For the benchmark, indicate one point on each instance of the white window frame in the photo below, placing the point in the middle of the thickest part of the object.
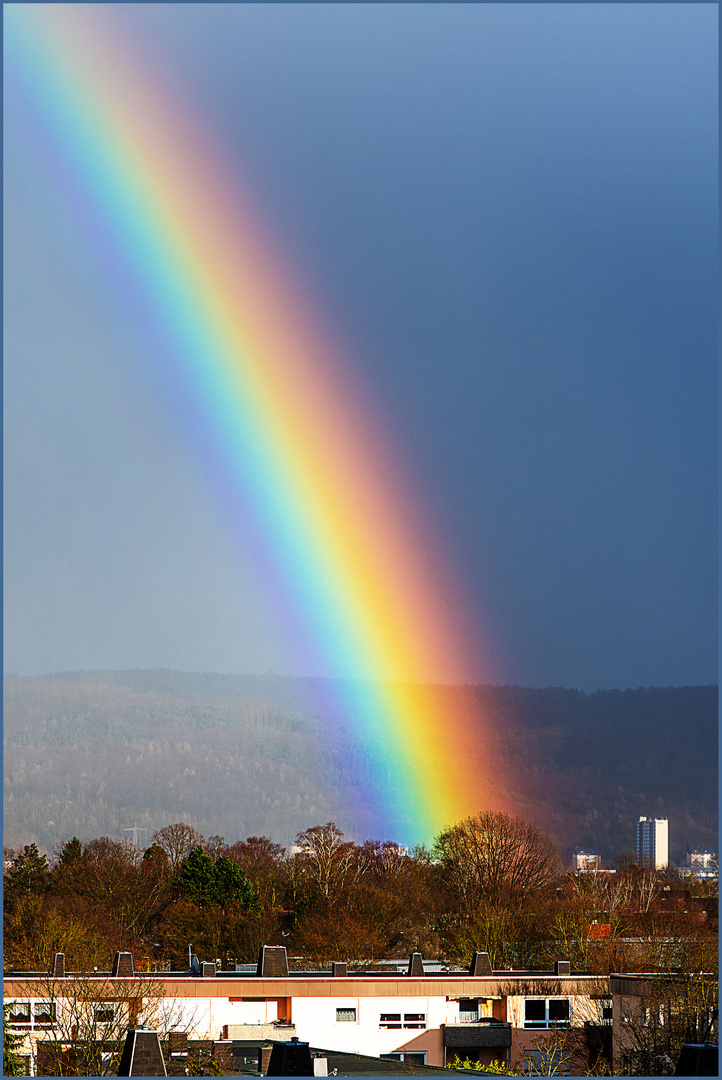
(104, 1007)
(650, 1017)
(407, 1056)
(34, 1005)
(21, 1025)
(347, 1019)
(469, 1016)
(48, 1007)
(390, 1020)
(546, 1024)
(397, 1020)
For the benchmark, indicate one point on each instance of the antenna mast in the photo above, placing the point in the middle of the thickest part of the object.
(135, 829)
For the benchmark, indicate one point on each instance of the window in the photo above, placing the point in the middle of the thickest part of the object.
(411, 1020)
(20, 1014)
(44, 1014)
(346, 1015)
(468, 1010)
(546, 1012)
(559, 1011)
(104, 1014)
(547, 1063)
(652, 1017)
(607, 1011)
(415, 1058)
(32, 1014)
(390, 1020)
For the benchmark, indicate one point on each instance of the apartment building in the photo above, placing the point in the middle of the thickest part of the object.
(653, 842)
(585, 860)
(701, 863)
(416, 1016)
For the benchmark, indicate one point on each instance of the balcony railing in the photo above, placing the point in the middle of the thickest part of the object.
(487, 1031)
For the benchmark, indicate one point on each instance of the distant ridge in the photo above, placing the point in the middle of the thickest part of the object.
(91, 752)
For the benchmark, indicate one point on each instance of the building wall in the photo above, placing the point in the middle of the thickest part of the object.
(661, 842)
(316, 1022)
(582, 1008)
(203, 1007)
(586, 860)
(699, 857)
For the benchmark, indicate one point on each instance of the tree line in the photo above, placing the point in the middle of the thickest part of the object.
(492, 883)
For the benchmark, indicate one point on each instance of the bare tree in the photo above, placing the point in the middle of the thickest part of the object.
(667, 1011)
(386, 859)
(82, 1020)
(330, 862)
(563, 1053)
(215, 846)
(264, 863)
(255, 851)
(552, 1054)
(496, 858)
(178, 840)
(123, 852)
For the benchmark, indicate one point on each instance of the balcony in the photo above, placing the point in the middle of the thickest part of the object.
(485, 1031)
(253, 1032)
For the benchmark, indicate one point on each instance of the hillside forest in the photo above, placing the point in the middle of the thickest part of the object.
(95, 753)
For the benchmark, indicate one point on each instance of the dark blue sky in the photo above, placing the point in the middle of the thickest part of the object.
(508, 215)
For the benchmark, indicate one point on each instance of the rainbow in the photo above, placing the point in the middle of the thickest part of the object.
(287, 438)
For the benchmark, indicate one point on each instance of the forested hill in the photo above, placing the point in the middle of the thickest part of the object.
(94, 752)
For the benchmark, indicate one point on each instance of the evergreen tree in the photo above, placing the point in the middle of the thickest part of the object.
(156, 854)
(71, 853)
(231, 883)
(196, 878)
(12, 1065)
(204, 882)
(29, 873)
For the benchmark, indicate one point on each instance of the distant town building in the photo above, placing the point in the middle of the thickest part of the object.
(653, 842)
(700, 857)
(584, 859)
(701, 862)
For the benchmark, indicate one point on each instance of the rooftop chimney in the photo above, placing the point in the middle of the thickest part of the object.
(416, 966)
(142, 1054)
(123, 966)
(58, 971)
(480, 964)
(272, 961)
